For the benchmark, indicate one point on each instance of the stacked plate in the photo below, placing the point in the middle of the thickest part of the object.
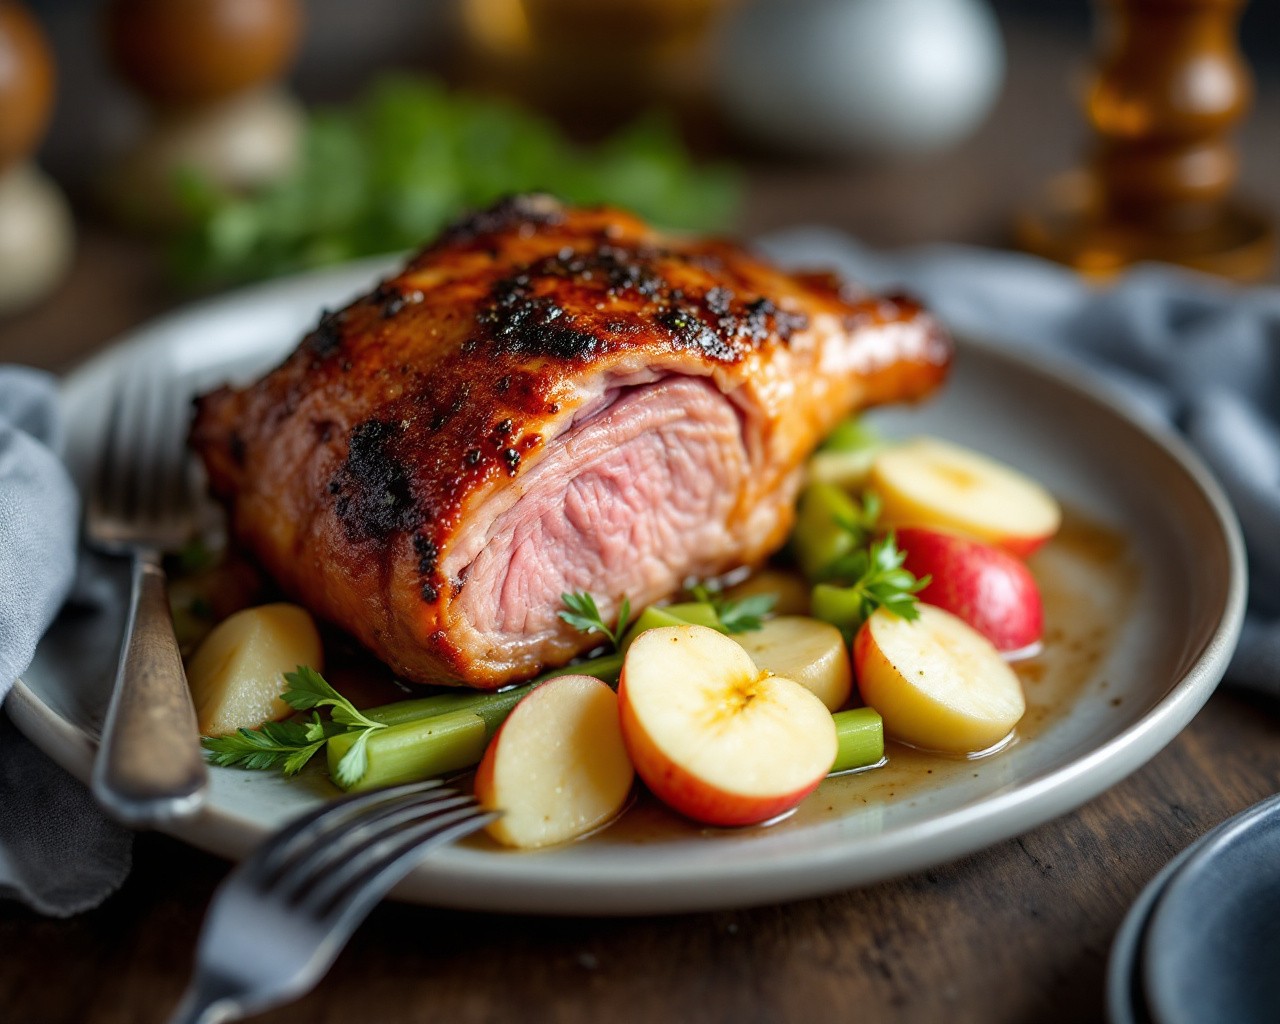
(1202, 942)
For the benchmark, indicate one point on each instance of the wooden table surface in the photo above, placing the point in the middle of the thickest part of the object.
(1017, 933)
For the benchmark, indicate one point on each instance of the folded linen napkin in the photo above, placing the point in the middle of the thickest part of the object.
(1200, 354)
(58, 853)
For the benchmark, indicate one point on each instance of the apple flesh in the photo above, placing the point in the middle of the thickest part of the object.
(988, 588)
(712, 735)
(237, 673)
(811, 652)
(937, 682)
(935, 484)
(557, 766)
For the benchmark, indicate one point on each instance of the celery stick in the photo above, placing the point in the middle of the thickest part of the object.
(425, 707)
(860, 739)
(851, 435)
(416, 750)
(818, 538)
(695, 613)
(605, 668)
(487, 705)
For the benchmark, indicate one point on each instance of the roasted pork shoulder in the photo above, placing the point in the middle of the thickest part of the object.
(546, 400)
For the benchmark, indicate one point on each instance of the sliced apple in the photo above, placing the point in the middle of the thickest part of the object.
(712, 735)
(557, 767)
(935, 484)
(237, 673)
(811, 652)
(936, 681)
(991, 590)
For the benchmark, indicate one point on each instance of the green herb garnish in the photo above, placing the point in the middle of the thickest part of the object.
(583, 615)
(740, 615)
(869, 578)
(287, 746)
(308, 689)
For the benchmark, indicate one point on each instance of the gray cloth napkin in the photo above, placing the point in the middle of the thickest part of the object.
(58, 853)
(1202, 355)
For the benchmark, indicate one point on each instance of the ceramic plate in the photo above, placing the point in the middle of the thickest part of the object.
(1167, 598)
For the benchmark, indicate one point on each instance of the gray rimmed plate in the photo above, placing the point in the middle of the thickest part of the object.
(1168, 649)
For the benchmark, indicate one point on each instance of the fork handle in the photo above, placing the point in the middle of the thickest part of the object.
(150, 768)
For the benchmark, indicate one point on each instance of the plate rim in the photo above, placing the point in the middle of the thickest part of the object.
(938, 839)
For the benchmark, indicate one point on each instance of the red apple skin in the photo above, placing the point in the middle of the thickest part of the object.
(985, 586)
(687, 794)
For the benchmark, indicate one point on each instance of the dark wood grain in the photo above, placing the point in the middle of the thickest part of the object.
(1017, 933)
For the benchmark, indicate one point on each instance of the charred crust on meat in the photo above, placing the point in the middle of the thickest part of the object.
(374, 493)
(523, 323)
(510, 213)
(430, 593)
(511, 459)
(688, 330)
(428, 553)
(326, 339)
(389, 299)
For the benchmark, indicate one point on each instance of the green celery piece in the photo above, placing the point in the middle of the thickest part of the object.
(843, 607)
(605, 668)
(850, 435)
(818, 538)
(859, 738)
(415, 750)
(696, 613)
(489, 706)
(688, 613)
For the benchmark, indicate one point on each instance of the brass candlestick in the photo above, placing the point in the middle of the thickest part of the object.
(1169, 86)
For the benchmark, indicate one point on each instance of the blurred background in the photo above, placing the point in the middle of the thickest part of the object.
(152, 150)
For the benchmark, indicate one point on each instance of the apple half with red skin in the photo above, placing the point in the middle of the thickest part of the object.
(713, 736)
(936, 682)
(989, 589)
(936, 484)
(556, 767)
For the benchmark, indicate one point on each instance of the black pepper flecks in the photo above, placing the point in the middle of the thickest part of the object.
(511, 458)
(375, 498)
(689, 330)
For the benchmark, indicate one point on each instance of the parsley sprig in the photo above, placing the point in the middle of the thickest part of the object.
(737, 615)
(877, 579)
(288, 746)
(308, 689)
(583, 615)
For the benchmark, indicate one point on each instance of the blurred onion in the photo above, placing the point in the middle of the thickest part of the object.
(870, 77)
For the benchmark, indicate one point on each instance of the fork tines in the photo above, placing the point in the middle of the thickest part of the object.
(324, 860)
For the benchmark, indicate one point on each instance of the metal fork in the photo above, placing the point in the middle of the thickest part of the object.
(281, 918)
(149, 767)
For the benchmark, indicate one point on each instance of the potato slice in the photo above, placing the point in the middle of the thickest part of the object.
(811, 652)
(237, 674)
(937, 682)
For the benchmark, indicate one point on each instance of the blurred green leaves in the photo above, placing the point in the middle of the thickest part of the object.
(390, 170)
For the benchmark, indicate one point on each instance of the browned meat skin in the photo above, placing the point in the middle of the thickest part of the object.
(356, 470)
